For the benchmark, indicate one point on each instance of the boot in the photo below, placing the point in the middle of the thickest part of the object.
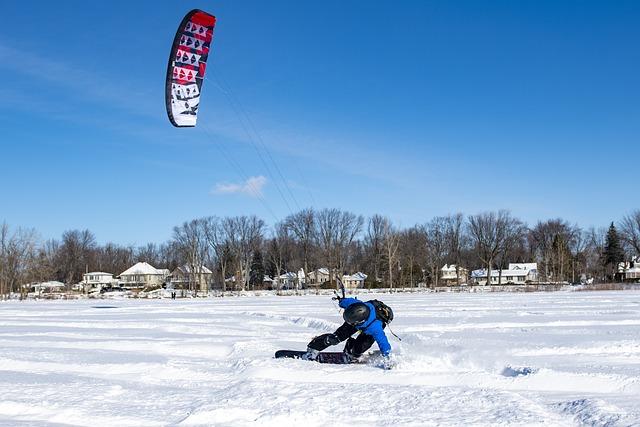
(311, 354)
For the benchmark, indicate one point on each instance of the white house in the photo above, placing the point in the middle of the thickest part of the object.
(142, 275)
(47, 287)
(630, 270)
(449, 277)
(287, 280)
(354, 281)
(97, 280)
(516, 274)
(182, 277)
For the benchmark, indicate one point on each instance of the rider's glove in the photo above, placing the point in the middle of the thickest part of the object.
(331, 339)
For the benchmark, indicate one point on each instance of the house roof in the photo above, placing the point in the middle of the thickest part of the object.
(523, 266)
(141, 268)
(50, 284)
(187, 269)
(288, 275)
(451, 267)
(98, 273)
(357, 276)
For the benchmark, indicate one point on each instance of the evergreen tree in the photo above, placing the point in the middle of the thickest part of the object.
(257, 271)
(613, 253)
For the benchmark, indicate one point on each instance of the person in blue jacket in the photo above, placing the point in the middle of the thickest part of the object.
(358, 317)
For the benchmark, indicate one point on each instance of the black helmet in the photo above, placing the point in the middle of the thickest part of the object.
(356, 314)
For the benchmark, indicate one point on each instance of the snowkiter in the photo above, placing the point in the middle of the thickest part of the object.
(366, 318)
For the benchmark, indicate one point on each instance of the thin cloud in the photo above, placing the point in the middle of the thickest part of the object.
(252, 187)
(72, 77)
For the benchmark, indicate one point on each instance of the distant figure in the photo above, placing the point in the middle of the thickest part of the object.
(173, 295)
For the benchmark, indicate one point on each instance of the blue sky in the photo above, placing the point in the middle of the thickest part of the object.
(408, 109)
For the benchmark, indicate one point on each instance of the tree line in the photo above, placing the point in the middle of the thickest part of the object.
(244, 247)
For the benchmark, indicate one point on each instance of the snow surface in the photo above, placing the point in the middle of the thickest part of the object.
(565, 358)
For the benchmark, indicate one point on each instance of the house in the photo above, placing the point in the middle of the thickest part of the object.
(515, 274)
(287, 280)
(629, 271)
(230, 283)
(97, 280)
(47, 287)
(268, 282)
(354, 281)
(318, 276)
(183, 277)
(449, 277)
(143, 275)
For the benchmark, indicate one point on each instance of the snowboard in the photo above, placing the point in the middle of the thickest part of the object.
(337, 358)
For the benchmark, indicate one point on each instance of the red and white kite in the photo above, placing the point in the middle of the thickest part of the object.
(187, 64)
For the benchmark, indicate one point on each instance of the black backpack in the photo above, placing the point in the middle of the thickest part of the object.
(383, 311)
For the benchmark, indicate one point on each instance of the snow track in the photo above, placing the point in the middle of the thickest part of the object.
(561, 359)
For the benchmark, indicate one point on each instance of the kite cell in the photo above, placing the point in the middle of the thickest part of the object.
(187, 64)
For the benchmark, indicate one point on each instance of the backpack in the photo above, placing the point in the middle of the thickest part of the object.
(383, 311)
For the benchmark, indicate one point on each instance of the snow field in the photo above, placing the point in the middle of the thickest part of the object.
(465, 359)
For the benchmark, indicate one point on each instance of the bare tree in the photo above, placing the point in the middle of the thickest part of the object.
(245, 235)
(219, 252)
(17, 254)
(435, 232)
(304, 228)
(76, 255)
(374, 243)
(4, 261)
(630, 231)
(150, 252)
(578, 248)
(169, 255)
(456, 238)
(45, 266)
(279, 249)
(551, 241)
(513, 233)
(350, 226)
(191, 241)
(390, 242)
(488, 231)
(336, 231)
(113, 258)
(412, 254)
(595, 249)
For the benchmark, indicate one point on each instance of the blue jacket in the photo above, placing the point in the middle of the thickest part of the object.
(371, 326)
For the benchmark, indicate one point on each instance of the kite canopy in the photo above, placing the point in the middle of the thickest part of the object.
(187, 64)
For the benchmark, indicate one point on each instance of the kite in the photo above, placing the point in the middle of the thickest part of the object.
(186, 68)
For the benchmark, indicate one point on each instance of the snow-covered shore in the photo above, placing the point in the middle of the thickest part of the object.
(561, 358)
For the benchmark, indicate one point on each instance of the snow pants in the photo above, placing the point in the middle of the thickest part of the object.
(354, 346)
